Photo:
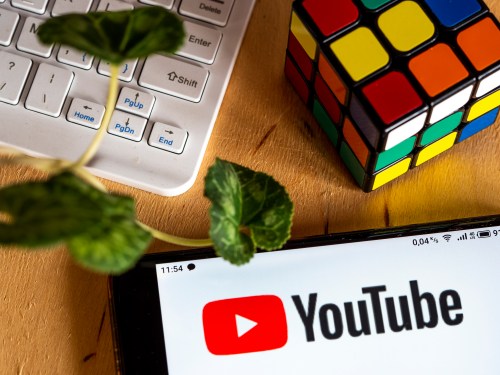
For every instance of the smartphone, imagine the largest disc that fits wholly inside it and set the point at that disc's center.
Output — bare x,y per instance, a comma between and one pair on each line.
420,299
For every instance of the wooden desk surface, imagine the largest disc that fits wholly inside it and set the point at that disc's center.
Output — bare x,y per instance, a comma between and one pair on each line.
54,316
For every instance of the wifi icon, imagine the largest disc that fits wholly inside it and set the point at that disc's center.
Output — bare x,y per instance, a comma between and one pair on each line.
447,237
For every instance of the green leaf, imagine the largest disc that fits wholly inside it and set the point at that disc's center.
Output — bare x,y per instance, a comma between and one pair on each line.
113,246
99,228
249,209
116,36
46,213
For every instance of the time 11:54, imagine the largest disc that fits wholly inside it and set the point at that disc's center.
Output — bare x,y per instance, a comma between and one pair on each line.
171,269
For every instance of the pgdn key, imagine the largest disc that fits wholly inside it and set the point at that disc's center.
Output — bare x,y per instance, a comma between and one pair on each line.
127,126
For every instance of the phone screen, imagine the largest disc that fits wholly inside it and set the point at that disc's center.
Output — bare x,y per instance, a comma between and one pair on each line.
422,304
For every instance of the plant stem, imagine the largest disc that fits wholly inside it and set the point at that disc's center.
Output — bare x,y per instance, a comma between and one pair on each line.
110,105
188,242
89,178
42,164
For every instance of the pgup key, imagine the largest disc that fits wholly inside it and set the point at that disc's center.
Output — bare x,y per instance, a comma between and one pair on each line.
137,102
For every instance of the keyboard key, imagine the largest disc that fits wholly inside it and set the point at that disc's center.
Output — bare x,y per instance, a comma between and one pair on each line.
8,23
59,118
85,113
174,77
126,70
70,6
127,126
212,11
162,3
113,5
28,41
73,57
35,6
49,90
168,138
13,73
136,102
201,43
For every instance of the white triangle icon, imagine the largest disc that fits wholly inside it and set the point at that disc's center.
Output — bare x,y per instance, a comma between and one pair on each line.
243,325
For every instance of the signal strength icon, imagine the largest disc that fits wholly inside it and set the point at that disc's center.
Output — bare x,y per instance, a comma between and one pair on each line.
447,237
462,237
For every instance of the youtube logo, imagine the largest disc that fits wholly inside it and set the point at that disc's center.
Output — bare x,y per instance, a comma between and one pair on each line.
245,325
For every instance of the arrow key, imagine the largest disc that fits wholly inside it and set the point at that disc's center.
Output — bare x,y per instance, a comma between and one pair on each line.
127,126
137,102
85,113
168,138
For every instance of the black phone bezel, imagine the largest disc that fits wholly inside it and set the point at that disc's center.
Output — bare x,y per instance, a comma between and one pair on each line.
134,297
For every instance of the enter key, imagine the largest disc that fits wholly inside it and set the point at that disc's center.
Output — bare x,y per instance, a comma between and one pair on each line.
201,43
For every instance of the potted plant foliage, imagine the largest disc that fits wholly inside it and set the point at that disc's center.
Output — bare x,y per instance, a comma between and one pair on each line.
249,209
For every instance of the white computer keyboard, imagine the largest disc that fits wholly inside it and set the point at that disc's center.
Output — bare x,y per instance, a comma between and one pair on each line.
52,97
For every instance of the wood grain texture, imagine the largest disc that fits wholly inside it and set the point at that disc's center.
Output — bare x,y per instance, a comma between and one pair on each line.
54,317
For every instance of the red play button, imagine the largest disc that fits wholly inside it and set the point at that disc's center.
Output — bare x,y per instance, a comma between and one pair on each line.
245,325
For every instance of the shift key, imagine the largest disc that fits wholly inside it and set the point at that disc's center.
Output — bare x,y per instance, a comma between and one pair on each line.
174,77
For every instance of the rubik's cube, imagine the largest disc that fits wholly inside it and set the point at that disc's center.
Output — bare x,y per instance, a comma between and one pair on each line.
394,83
